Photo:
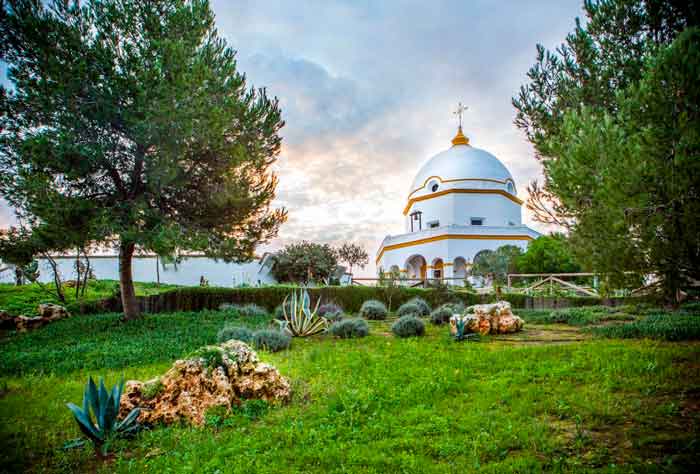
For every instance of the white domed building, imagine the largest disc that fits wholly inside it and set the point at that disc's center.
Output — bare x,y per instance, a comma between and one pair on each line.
462,201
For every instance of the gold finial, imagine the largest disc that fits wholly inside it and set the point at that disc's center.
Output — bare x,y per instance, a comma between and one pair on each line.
460,139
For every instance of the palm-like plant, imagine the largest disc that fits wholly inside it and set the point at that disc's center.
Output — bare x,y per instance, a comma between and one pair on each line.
103,405
299,318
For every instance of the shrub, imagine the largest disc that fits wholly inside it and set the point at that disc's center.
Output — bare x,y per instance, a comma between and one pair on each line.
331,311
271,340
443,314
408,309
423,307
666,326
408,326
350,328
279,311
251,310
239,333
374,310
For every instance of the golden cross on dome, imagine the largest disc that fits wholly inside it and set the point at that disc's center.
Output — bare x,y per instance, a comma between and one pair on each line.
461,108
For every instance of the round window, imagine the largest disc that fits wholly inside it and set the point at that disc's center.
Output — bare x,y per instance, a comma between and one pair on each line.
434,187
510,187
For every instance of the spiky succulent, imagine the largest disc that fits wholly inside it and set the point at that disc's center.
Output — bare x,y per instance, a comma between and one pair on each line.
301,320
98,418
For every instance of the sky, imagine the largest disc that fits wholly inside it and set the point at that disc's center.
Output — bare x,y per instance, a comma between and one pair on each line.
367,91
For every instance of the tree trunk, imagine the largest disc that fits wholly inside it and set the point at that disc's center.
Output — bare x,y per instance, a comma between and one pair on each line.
126,283
19,277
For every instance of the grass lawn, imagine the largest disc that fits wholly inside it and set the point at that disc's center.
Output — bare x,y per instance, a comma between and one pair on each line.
24,299
553,398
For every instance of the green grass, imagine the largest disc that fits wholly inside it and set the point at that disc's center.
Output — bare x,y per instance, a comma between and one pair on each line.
24,299
98,342
581,316
666,326
376,404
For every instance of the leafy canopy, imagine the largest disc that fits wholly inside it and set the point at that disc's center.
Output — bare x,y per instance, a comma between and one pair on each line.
305,262
496,264
547,254
613,115
134,115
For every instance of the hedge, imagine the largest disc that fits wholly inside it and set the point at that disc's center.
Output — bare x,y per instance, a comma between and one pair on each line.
350,298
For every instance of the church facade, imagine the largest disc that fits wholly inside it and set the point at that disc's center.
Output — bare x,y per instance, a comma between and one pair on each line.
462,201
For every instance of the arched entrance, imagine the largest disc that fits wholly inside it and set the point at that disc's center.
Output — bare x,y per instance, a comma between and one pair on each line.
416,267
438,269
459,268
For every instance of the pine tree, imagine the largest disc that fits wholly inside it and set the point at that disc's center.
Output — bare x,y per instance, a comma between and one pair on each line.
136,113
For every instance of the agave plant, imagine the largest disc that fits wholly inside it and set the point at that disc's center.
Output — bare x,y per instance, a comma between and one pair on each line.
300,319
461,333
103,405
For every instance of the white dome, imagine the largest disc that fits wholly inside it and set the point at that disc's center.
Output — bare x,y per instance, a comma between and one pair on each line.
463,166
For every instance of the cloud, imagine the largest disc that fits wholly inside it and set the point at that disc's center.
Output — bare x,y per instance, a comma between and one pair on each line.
367,89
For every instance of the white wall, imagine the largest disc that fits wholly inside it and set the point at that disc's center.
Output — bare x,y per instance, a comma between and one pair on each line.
458,209
187,272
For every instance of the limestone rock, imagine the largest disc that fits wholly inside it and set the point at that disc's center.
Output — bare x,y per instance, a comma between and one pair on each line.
496,318
25,323
6,320
52,312
213,376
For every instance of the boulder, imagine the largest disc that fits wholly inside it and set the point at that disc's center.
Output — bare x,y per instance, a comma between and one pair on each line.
496,318
6,320
52,312
509,324
25,323
212,376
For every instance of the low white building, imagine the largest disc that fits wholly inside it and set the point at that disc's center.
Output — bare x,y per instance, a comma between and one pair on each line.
462,201
148,268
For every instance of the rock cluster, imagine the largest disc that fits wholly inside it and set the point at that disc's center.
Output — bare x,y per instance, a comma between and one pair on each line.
496,318
213,376
47,314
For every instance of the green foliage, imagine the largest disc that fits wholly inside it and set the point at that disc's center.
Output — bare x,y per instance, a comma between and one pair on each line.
330,311
97,419
300,320
24,299
305,262
271,340
119,137
373,310
408,326
496,264
548,254
665,326
61,347
239,333
213,356
349,328
151,389
420,303
345,393
251,310
408,308
443,314
353,255
580,316
619,151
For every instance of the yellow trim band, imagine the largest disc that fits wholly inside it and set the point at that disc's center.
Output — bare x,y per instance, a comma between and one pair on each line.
460,191
454,180
450,236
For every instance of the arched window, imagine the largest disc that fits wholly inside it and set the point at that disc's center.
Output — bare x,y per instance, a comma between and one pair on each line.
510,187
